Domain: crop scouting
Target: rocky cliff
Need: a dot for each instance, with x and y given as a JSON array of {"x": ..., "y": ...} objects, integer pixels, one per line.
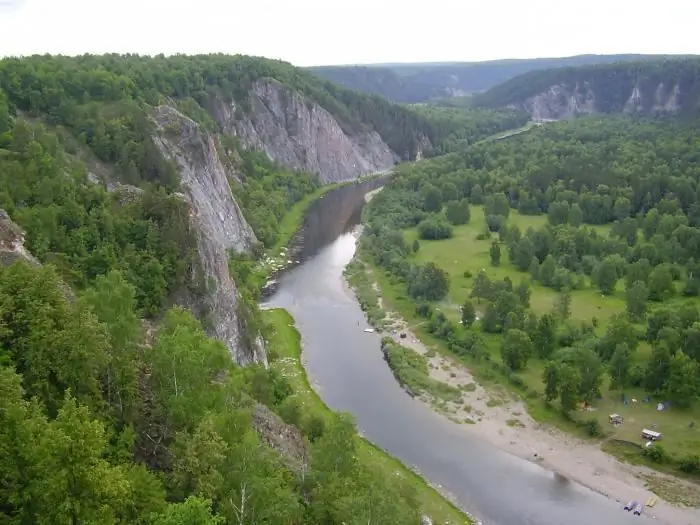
[
  {"x": 12, "y": 242},
  {"x": 297, "y": 132},
  {"x": 662, "y": 87},
  {"x": 561, "y": 101},
  {"x": 219, "y": 225}
]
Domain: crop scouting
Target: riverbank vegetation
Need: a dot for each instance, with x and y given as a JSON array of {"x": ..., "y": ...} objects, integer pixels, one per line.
[
  {"x": 399, "y": 488},
  {"x": 411, "y": 371},
  {"x": 574, "y": 278}
]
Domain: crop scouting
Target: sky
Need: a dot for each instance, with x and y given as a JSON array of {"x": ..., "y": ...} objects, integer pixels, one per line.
[{"x": 318, "y": 32}]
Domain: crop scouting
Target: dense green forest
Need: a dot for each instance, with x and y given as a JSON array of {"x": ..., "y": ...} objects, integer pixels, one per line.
[
  {"x": 612, "y": 84},
  {"x": 463, "y": 126},
  {"x": 115, "y": 407},
  {"x": 412, "y": 83},
  {"x": 615, "y": 204}
]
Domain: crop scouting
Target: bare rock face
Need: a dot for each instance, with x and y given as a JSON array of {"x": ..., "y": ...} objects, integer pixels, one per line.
[
  {"x": 12, "y": 242},
  {"x": 217, "y": 221},
  {"x": 562, "y": 101},
  {"x": 285, "y": 439},
  {"x": 302, "y": 135}
]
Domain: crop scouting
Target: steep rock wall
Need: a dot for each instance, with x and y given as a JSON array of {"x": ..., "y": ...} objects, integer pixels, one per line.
[
  {"x": 563, "y": 101},
  {"x": 302, "y": 135},
  {"x": 218, "y": 223}
]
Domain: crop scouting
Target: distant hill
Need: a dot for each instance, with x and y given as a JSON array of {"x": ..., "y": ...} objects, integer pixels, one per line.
[
  {"x": 662, "y": 86},
  {"x": 420, "y": 82}
]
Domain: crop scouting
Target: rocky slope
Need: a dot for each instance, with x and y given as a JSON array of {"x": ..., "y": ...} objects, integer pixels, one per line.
[
  {"x": 218, "y": 223},
  {"x": 302, "y": 135},
  {"x": 646, "y": 88}
]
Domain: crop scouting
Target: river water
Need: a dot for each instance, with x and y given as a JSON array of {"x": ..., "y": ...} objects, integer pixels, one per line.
[{"x": 346, "y": 366}]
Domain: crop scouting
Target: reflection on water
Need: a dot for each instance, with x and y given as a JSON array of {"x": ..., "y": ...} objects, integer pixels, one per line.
[{"x": 347, "y": 366}]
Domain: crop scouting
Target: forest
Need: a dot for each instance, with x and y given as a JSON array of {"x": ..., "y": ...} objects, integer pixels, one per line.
[
  {"x": 611, "y": 83},
  {"x": 115, "y": 406},
  {"x": 564, "y": 260}
]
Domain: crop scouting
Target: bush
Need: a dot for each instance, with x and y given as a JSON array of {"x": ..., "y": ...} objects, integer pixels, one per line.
[
  {"x": 656, "y": 453},
  {"x": 290, "y": 411},
  {"x": 690, "y": 464},
  {"x": 434, "y": 228},
  {"x": 314, "y": 428},
  {"x": 424, "y": 310},
  {"x": 592, "y": 427},
  {"x": 467, "y": 274}
]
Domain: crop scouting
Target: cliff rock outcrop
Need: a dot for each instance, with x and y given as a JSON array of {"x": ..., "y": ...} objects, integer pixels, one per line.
[
  {"x": 12, "y": 242},
  {"x": 217, "y": 221},
  {"x": 563, "y": 101},
  {"x": 302, "y": 135}
]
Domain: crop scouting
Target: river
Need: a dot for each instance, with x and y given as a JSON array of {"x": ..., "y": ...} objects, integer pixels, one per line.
[{"x": 345, "y": 365}]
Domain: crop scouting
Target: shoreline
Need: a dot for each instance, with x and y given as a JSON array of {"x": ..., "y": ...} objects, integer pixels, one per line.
[
  {"x": 442, "y": 505},
  {"x": 502, "y": 419}
]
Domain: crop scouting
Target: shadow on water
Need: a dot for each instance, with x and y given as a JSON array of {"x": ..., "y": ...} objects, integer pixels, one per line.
[
  {"x": 337, "y": 212},
  {"x": 346, "y": 366}
]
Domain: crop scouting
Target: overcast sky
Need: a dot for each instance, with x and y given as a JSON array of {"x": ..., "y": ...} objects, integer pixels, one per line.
[{"x": 314, "y": 32}]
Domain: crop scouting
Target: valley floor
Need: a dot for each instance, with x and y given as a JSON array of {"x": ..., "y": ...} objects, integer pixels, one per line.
[{"x": 497, "y": 417}]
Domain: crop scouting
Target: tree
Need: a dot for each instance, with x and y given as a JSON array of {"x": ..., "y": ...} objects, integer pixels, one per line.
[
  {"x": 458, "y": 212},
  {"x": 495, "y": 253},
  {"x": 551, "y": 380},
  {"x": 523, "y": 254},
  {"x": 660, "y": 283},
  {"x": 681, "y": 385},
  {"x": 434, "y": 228},
  {"x": 516, "y": 349},
  {"x": 569, "y": 387},
  {"x": 563, "y": 305},
  {"x": 545, "y": 337},
  {"x": 113, "y": 300},
  {"x": 468, "y": 313},
  {"x": 636, "y": 301},
  {"x": 68, "y": 486},
  {"x": 193, "y": 511},
  {"x": 429, "y": 282},
  {"x": 547, "y": 270},
  {"x": 658, "y": 368},
  {"x": 432, "y": 198},
  {"x": 619, "y": 366},
  {"x": 575, "y": 217},
  {"x": 605, "y": 275}
]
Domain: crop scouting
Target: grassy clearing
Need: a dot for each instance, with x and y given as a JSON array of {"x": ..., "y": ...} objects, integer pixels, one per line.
[
  {"x": 463, "y": 252},
  {"x": 681, "y": 428},
  {"x": 285, "y": 340},
  {"x": 411, "y": 371}
]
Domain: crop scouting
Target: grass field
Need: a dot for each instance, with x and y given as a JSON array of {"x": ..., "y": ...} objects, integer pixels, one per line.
[
  {"x": 464, "y": 252},
  {"x": 285, "y": 341},
  {"x": 681, "y": 429}
]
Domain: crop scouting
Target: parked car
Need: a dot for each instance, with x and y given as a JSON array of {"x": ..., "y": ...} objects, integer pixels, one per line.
[
  {"x": 630, "y": 505},
  {"x": 638, "y": 509}
]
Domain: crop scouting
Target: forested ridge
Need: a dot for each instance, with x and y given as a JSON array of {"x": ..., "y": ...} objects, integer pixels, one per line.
[
  {"x": 115, "y": 406},
  {"x": 612, "y": 84},
  {"x": 411, "y": 83},
  {"x": 620, "y": 202},
  {"x": 103, "y": 98}
]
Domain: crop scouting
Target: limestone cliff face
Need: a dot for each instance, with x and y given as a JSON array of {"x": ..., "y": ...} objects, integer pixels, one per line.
[
  {"x": 12, "y": 242},
  {"x": 218, "y": 224},
  {"x": 562, "y": 101},
  {"x": 302, "y": 135}
]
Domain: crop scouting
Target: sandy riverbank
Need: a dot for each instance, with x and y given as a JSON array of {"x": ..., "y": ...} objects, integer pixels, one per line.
[{"x": 503, "y": 421}]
